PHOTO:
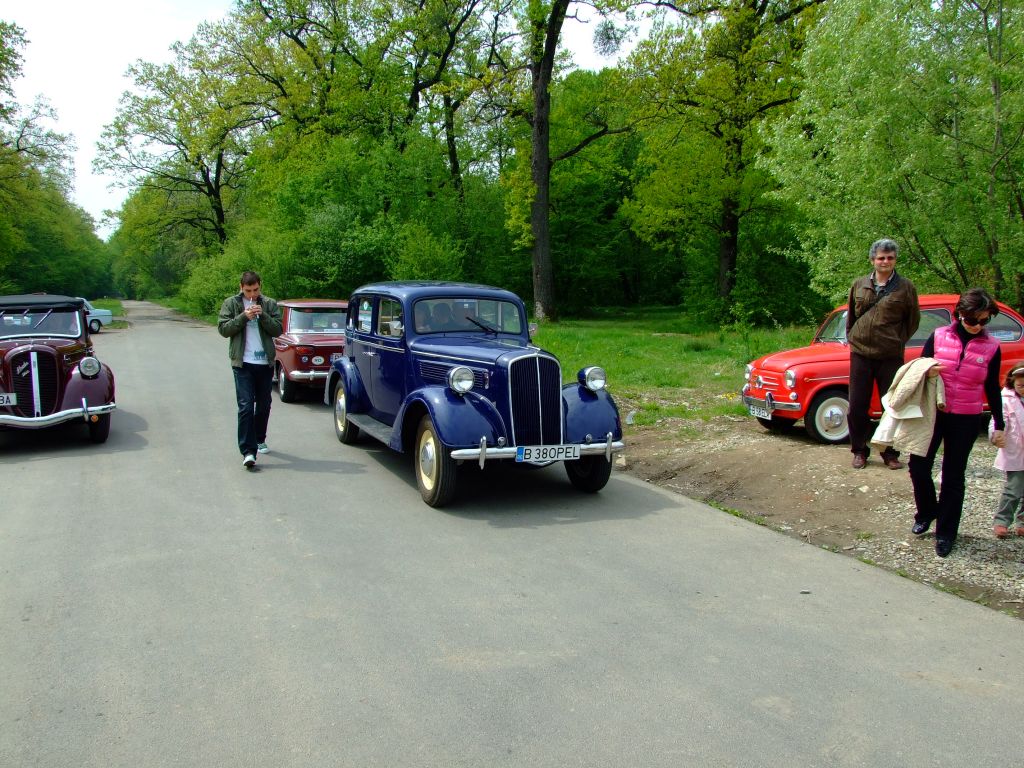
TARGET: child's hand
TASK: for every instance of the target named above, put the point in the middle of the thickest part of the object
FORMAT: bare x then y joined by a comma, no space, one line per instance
999,439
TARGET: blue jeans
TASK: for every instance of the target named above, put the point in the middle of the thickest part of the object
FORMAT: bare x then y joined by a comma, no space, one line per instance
253,384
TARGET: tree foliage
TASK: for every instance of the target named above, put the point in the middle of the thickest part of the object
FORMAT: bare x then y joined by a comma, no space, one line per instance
46,242
910,127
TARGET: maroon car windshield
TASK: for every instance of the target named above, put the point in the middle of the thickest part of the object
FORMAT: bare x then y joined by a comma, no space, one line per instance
40,322
313,320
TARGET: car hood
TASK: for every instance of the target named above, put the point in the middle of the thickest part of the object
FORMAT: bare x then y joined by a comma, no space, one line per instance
824,352
480,348
63,344
316,339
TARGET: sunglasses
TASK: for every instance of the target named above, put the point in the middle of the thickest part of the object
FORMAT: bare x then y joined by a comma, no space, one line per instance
968,320
885,258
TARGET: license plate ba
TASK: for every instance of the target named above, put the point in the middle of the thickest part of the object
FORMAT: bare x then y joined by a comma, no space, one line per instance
761,413
8,398
540,454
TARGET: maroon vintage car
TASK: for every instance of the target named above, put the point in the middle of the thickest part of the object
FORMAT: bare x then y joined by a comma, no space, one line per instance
49,373
314,336
812,382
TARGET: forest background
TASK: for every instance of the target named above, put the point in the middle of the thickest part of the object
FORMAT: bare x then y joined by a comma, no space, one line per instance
736,164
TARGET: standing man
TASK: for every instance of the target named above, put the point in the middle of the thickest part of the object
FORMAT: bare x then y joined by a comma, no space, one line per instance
883,314
250,321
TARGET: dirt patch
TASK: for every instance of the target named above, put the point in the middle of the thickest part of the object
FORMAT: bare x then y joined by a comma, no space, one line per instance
809,491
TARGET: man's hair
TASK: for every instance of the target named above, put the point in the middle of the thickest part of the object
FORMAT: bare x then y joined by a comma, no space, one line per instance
250,278
885,245
974,301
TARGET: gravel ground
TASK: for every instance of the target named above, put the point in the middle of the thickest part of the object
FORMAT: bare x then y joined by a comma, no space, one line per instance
807,490
980,562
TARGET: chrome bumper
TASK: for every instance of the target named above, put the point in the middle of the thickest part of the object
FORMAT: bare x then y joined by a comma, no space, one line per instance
38,422
483,453
307,375
770,403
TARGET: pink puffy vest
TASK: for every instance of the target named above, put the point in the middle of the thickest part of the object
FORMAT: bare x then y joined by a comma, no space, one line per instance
964,379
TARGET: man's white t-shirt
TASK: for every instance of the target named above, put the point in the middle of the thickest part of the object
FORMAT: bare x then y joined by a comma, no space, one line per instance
254,352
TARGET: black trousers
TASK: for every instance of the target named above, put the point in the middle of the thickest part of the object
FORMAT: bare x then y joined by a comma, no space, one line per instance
956,433
865,373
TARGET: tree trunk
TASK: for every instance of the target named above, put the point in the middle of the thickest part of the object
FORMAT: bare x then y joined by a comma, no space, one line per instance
544,35
728,247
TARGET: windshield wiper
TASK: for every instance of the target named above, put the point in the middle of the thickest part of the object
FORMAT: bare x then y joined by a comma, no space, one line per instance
486,327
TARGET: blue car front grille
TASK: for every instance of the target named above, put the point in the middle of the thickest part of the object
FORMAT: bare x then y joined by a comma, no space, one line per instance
535,385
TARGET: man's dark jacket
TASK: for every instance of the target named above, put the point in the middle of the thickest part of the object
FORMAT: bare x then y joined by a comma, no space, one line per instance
878,325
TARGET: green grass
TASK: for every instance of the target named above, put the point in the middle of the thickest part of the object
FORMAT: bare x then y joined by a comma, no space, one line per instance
114,305
661,365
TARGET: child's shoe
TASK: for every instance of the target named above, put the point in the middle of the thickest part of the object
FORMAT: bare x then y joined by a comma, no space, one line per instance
1001,531
1020,530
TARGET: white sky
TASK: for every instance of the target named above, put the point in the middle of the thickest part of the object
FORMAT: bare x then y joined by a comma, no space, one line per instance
78,51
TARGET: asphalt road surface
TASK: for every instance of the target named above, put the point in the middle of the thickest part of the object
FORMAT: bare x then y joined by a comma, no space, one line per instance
161,606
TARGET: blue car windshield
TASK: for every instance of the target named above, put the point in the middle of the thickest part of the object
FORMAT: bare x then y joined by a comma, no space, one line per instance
466,315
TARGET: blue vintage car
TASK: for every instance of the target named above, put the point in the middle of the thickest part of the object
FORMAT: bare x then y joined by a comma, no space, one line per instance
447,371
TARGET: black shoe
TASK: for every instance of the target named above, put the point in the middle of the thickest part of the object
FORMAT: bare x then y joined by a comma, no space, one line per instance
919,529
943,547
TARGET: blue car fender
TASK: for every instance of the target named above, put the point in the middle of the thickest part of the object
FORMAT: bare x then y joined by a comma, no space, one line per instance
345,370
459,420
589,413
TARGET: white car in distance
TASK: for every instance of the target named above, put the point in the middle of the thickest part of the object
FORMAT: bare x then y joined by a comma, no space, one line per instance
96,318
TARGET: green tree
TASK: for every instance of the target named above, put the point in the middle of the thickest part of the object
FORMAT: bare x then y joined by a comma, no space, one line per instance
909,127
709,79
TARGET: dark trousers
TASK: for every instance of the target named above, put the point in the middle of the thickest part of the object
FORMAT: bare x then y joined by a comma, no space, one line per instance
956,434
253,384
865,373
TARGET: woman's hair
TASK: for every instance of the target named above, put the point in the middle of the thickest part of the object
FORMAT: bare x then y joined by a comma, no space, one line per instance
974,301
1016,372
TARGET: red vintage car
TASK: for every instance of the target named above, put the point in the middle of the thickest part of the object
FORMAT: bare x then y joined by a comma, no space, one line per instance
812,383
314,336
49,373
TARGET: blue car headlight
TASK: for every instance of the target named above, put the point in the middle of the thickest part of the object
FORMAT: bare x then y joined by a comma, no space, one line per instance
593,378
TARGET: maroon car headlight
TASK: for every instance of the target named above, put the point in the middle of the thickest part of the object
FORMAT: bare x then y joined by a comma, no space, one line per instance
789,379
89,367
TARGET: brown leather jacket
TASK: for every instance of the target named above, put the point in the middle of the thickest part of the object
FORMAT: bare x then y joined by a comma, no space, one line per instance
879,325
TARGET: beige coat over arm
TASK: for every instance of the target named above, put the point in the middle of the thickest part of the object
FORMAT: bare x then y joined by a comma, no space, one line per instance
910,406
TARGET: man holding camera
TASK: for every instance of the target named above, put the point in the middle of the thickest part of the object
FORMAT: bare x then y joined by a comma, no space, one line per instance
250,322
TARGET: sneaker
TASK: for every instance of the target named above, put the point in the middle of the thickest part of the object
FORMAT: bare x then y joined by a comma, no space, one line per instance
1019,531
249,461
262,448
1000,531
859,460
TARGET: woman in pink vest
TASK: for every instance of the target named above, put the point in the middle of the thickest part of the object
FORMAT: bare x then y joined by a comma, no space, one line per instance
969,366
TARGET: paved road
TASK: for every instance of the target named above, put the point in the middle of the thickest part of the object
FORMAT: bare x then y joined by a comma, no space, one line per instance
160,606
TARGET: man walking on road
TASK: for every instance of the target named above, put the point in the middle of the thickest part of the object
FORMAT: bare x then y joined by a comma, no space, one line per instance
250,321
883,314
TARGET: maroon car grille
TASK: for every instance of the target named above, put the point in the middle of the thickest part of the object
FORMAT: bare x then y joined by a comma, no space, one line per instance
34,380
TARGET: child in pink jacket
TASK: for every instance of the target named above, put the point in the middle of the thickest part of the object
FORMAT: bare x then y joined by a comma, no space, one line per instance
1010,458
